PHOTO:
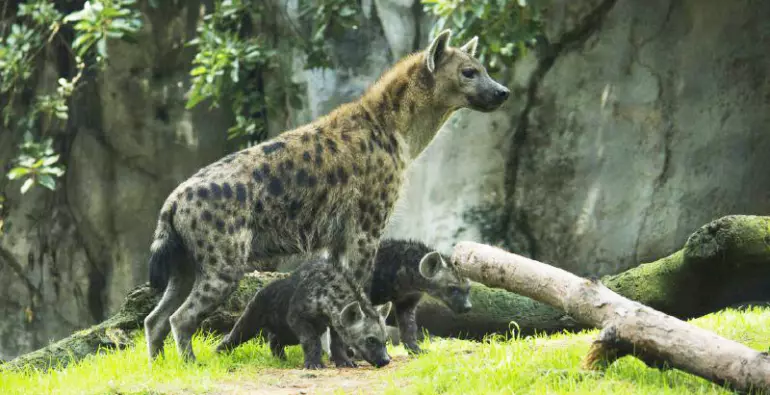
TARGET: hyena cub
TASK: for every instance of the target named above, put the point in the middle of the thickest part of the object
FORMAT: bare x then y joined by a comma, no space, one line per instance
328,185
403,271
299,308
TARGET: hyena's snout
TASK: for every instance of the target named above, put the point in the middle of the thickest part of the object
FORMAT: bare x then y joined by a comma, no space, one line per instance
496,94
489,95
382,361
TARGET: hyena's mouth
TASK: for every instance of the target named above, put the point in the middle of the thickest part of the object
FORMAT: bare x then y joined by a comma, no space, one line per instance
488,105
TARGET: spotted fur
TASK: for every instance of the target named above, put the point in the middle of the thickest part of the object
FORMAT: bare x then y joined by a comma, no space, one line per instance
404,270
298,309
329,185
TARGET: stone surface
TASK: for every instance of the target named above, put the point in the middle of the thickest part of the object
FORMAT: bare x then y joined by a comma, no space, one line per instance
681,138
70,256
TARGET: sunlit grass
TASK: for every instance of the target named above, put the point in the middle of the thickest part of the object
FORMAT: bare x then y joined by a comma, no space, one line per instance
532,365
128,371
548,365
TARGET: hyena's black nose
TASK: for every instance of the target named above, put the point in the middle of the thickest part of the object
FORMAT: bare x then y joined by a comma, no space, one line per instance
502,93
383,362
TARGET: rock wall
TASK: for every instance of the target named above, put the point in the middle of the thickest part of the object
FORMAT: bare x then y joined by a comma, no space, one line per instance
70,256
631,125
644,121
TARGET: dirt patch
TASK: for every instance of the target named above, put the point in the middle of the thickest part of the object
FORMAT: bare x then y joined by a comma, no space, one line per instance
365,379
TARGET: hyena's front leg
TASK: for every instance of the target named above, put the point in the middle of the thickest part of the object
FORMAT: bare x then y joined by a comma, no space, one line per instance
309,337
407,325
339,351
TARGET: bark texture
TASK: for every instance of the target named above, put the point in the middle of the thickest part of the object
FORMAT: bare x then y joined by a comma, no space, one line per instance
628,327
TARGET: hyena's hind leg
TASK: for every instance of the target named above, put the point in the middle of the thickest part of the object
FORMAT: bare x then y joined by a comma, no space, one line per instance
209,291
157,325
222,264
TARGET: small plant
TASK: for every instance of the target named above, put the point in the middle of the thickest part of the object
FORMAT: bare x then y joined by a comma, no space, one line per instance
101,20
327,18
232,64
224,61
35,27
36,164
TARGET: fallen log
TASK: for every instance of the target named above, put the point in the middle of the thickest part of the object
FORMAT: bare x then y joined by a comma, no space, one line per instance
628,327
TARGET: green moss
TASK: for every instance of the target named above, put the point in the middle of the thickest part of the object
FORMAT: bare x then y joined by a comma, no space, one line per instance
653,284
494,311
722,263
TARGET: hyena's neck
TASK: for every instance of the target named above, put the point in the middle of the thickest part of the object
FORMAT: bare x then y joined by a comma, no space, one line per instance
409,278
402,102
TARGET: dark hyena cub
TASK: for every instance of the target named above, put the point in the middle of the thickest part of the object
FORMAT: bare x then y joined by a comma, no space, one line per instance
328,185
299,308
403,271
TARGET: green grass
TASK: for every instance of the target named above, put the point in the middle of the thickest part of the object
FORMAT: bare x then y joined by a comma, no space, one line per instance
533,365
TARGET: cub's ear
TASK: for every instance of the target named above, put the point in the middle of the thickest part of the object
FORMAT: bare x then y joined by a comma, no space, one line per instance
437,49
384,309
470,46
351,314
431,264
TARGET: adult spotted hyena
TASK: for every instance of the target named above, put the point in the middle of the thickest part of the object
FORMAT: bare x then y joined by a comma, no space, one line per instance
328,185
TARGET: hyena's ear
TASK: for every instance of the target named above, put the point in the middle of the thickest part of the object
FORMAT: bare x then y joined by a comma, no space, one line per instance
351,314
470,46
437,49
431,264
384,309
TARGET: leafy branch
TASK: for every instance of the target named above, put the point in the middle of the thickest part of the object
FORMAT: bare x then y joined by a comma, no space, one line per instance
33,29
505,27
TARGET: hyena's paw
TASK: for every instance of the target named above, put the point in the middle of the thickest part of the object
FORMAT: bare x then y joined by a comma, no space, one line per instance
415,350
310,365
345,363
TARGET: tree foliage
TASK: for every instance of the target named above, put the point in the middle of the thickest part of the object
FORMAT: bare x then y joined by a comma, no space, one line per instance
24,40
505,27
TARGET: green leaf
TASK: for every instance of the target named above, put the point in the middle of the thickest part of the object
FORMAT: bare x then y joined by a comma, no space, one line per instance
200,70
27,184
50,160
56,171
76,16
47,181
101,47
17,172
479,11
194,99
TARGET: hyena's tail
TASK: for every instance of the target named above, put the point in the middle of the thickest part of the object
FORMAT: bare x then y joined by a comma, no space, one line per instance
166,246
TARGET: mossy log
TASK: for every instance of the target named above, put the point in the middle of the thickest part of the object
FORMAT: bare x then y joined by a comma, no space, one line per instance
723,263
628,327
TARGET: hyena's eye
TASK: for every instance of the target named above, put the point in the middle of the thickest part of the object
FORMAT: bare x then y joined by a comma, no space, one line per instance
469,72
372,342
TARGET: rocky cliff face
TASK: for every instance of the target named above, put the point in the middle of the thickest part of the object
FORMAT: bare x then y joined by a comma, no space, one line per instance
634,124
70,256
644,121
